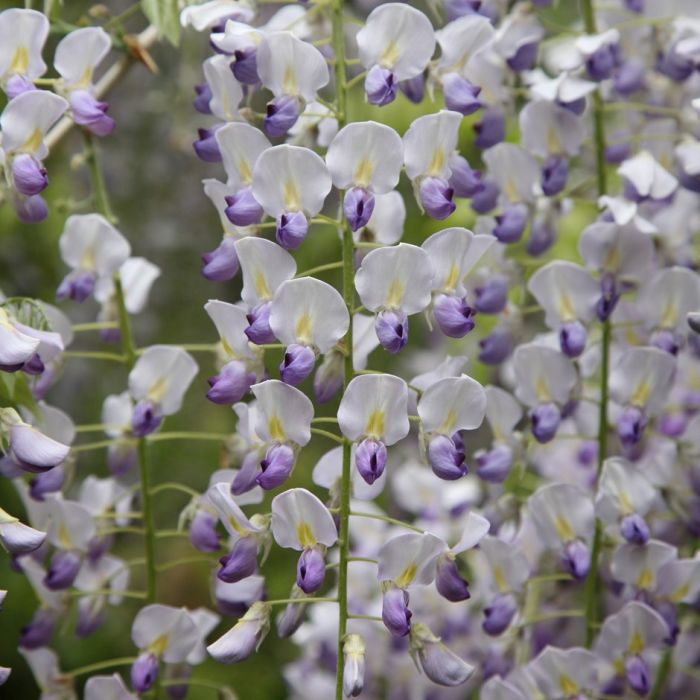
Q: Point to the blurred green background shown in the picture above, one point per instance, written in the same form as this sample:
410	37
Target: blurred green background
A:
153	179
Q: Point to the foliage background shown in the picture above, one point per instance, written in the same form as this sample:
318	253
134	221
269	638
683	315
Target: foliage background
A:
153	179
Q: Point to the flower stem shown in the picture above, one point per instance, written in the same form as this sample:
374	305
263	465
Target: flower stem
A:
100	666
101	197
387	519
662	674
174	486
188	435
94	355
329	435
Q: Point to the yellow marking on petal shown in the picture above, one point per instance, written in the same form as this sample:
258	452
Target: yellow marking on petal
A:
375	424
31	145
157	390
612	260
244	171
646	579
669	318
85	78
567	685
566	309
291	198
641	394
261	288
227	348
563	528
304	329
274	427
159	645
448	426
542	390
289	81
407	575
20	61
500	579
636	644
64	537
394	296
452	277
553	142
390	55
511	190
680	593
437	162
625	504
87	260
363	173
305	535
619	666
237	527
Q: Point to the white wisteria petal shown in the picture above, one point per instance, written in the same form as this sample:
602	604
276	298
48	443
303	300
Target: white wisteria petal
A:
566	292
205	621
217	192
27	118
237	36
29	446
475	529
264	267
209	14
240	145
387	221
503	412
16	347
564	88
461	39
290	179
543	374
227	92
549	129
398	37
44	665
18	538
679	580
410	559
23	33
453	253
284	413
329	469
395	277
555	669
364	340
301	521
668	297
623	490
619	250
309	312
316	124
79	53
562	513
230	514
640	565
116	414
366	154
108	573
289	66
452	404
498	689
648	176
162	375
72	525
230	322
643	377
172	627
633	629
451	366
137	276
290	18
375	406
514	169
429	143
107	688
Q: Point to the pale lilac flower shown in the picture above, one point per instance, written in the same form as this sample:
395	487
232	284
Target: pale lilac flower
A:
18	538
565	672
23	33
645	178
226	90
244	638
107	688
354	665
211	14
438	662
503	413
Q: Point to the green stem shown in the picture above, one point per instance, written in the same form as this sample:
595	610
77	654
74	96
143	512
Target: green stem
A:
89	446
94	355
327	434
185	560
189	347
188	435
100	666
174	486
161	534
295	601
97	180
90	428
96	326
662	674
386	519
321	268
150	538
590	599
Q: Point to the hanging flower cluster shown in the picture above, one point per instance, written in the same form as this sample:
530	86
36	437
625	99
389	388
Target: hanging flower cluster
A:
514	507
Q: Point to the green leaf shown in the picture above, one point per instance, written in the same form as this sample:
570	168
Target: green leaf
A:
164	16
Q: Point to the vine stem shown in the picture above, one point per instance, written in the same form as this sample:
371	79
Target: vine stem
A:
341	85
100	665
591	584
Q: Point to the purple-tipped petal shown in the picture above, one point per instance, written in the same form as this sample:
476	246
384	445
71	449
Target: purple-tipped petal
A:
453	315
370	459
311	571
380	86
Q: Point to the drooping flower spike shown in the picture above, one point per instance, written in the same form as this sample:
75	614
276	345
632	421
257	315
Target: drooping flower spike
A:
364	159
394	282
23	33
291	184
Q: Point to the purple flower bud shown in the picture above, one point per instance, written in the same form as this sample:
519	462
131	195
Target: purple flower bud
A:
221	264
635	5
206	147
540	240
461	95
297	364
511	223
47	482
33	451
77	286
664	340
392	329
281	115
555	172
62	571
244	637
380	86
98	546
276	466
259	331
494	466
231	384
311	571
499	614
545	420
16	85
245	67
631	425
329	377
634	529
576	106
464	180
247	476
290	620
637	674
243	209
178	672
674	65
413	88
440	664
496	347
370	459
291	229
673	425
486	199
454	316
436	197
358	206
395	613
609	297
629	78
524	58
491	129
446	458
576	559
616	153
204	95
144	672
121	458
31	210
91	616
572	338
492	297
449	583
454	9
203	535
90	113
29	174
601	63
34	366
240	562
39	631
145	419
669	612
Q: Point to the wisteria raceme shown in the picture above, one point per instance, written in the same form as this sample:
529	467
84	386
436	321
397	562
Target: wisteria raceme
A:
456	356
